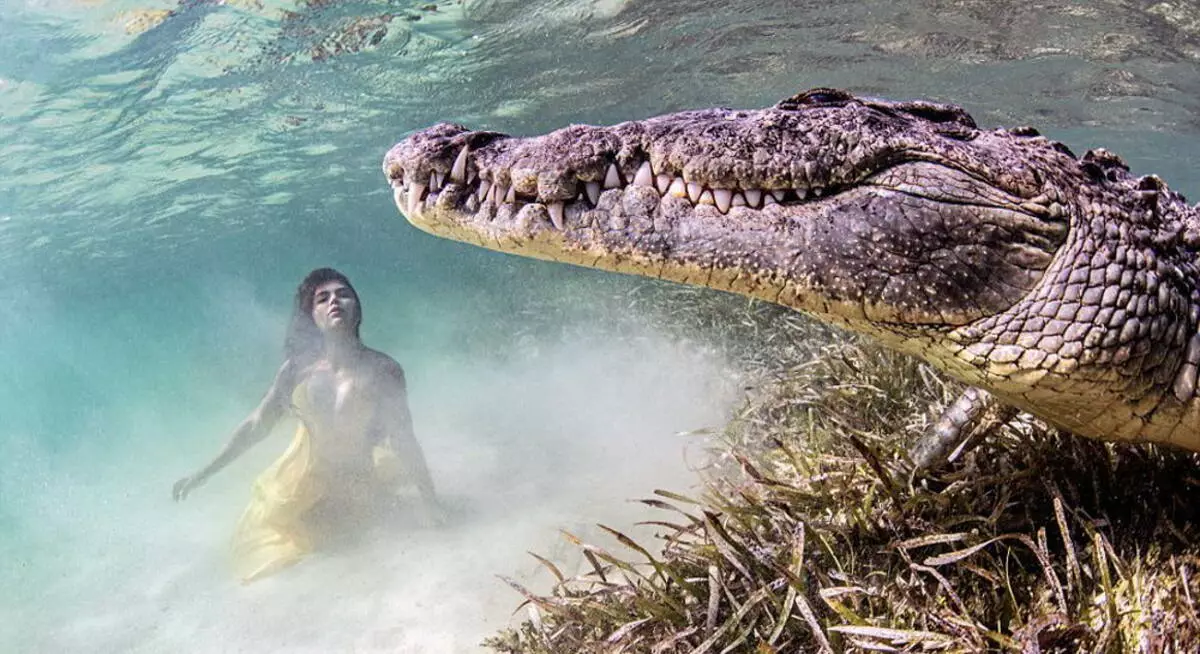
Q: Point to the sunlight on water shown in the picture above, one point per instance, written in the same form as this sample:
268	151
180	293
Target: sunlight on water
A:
169	171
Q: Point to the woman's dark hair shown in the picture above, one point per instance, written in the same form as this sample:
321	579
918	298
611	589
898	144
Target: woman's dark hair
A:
304	343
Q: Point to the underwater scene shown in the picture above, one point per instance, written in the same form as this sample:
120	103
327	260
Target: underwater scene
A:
171	170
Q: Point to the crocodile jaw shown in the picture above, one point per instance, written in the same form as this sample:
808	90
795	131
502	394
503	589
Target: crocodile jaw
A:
833	257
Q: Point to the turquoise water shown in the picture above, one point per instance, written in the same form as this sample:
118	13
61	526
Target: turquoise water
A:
162	192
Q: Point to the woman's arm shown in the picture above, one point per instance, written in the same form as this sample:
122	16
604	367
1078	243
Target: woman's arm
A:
252	430
395	431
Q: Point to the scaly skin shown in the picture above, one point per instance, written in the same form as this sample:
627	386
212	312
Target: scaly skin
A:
1065	287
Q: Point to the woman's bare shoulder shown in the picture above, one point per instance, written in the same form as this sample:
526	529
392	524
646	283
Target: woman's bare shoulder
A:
290	374
386	366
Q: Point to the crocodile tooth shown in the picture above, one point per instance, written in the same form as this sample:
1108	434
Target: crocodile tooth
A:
753	197
491	193
778	194
556	214
612	178
739	200
644	176
706	198
769	199
723	197
499	190
484	190
414	197
678	188
472	203
818	191
510	196
458	172
693	191
662	183
593	192
810	170
435	181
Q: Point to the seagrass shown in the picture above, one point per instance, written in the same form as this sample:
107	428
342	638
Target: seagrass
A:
1035	541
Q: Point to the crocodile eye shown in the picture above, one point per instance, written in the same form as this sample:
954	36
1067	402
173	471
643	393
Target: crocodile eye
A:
821	97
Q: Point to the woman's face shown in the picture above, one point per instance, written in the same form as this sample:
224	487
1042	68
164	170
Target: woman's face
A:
335	307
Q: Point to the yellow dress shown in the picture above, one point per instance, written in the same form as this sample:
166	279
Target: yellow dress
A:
284	521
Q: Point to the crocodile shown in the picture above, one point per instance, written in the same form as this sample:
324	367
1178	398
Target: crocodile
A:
1059	285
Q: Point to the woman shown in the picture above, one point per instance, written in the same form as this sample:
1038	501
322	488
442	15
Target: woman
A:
354	448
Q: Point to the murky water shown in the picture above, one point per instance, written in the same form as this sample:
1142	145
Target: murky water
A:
167	178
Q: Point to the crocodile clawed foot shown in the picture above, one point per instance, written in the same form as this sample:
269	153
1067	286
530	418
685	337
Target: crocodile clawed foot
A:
963	425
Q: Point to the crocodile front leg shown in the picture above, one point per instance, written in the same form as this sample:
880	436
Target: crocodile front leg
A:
966	422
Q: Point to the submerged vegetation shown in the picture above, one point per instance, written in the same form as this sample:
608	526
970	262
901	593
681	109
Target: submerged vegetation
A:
1034	541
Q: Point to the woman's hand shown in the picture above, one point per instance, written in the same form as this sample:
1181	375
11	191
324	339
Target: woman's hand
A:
184	486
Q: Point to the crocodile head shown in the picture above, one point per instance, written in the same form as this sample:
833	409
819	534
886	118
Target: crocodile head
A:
995	254
859	210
